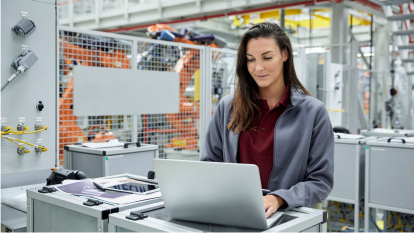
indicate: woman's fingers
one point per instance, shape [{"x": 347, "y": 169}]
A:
[
  {"x": 271, "y": 204},
  {"x": 270, "y": 211}
]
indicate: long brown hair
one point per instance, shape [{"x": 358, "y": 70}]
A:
[{"x": 244, "y": 106}]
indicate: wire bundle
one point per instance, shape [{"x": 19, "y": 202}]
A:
[{"x": 9, "y": 131}]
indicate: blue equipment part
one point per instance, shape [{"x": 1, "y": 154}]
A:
[{"x": 167, "y": 35}]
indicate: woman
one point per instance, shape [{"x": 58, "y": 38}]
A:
[{"x": 273, "y": 122}]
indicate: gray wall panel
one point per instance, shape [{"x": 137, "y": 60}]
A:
[
  {"x": 38, "y": 83},
  {"x": 344, "y": 172},
  {"x": 52, "y": 218},
  {"x": 391, "y": 177},
  {"x": 107, "y": 91}
]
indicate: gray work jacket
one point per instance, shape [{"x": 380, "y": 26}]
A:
[{"x": 303, "y": 153}]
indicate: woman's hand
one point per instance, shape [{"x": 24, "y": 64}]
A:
[{"x": 272, "y": 203}]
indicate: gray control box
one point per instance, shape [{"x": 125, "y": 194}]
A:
[
  {"x": 62, "y": 212},
  {"x": 98, "y": 162}
]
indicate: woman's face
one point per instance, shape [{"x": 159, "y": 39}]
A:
[{"x": 265, "y": 62}]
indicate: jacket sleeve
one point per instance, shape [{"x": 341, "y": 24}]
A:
[
  {"x": 318, "y": 181},
  {"x": 213, "y": 144}
]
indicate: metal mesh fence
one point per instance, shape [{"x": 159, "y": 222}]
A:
[
  {"x": 177, "y": 134},
  {"x": 80, "y": 49}
]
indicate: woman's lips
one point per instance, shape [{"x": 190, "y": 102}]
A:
[{"x": 261, "y": 76}]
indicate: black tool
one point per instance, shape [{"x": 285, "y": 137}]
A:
[
  {"x": 92, "y": 202},
  {"x": 135, "y": 215},
  {"x": 64, "y": 174},
  {"x": 46, "y": 189}
]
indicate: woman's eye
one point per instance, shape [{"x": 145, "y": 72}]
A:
[
  {"x": 250, "y": 59},
  {"x": 267, "y": 58}
]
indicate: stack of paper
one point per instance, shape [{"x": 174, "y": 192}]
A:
[
  {"x": 87, "y": 188},
  {"x": 110, "y": 143}
]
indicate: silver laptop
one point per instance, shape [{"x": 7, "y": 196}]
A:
[{"x": 220, "y": 193}]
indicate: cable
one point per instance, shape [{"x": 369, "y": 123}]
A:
[
  {"x": 398, "y": 225},
  {"x": 14, "y": 142},
  {"x": 10, "y": 79},
  {"x": 23, "y": 132},
  {"x": 26, "y": 151},
  {"x": 44, "y": 149}
]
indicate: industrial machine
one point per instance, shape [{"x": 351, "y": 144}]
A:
[
  {"x": 394, "y": 155},
  {"x": 29, "y": 126},
  {"x": 55, "y": 211},
  {"x": 345, "y": 199},
  {"x": 28, "y": 104}
]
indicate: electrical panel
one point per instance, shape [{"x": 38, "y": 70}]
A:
[{"x": 29, "y": 51}]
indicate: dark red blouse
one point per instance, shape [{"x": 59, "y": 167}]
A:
[{"x": 256, "y": 147}]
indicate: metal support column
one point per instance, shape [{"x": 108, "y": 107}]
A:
[
  {"x": 205, "y": 89},
  {"x": 134, "y": 51},
  {"x": 382, "y": 65},
  {"x": 339, "y": 32},
  {"x": 353, "y": 90}
]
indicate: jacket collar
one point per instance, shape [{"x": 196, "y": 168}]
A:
[
  {"x": 284, "y": 100},
  {"x": 296, "y": 96}
]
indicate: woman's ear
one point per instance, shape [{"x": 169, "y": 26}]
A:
[{"x": 285, "y": 55}]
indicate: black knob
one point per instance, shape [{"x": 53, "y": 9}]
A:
[
  {"x": 40, "y": 106},
  {"x": 393, "y": 92}
]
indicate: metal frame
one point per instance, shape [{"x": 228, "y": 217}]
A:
[
  {"x": 206, "y": 91},
  {"x": 313, "y": 218},
  {"x": 206, "y": 65},
  {"x": 205, "y": 82},
  {"x": 356, "y": 199}
]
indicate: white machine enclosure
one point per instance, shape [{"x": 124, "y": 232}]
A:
[
  {"x": 61, "y": 212},
  {"x": 349, "y": 174},
  {"x": 13, "y": 213},
  {"x": 296, "y": 220},
  {"x": 99, "y": 162},
  {"x": 387, "y": 132},
  {"x": 389, "y": 183},
  {"x": 39, "y": 83},
  {"x": 349, "y": 168}
]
